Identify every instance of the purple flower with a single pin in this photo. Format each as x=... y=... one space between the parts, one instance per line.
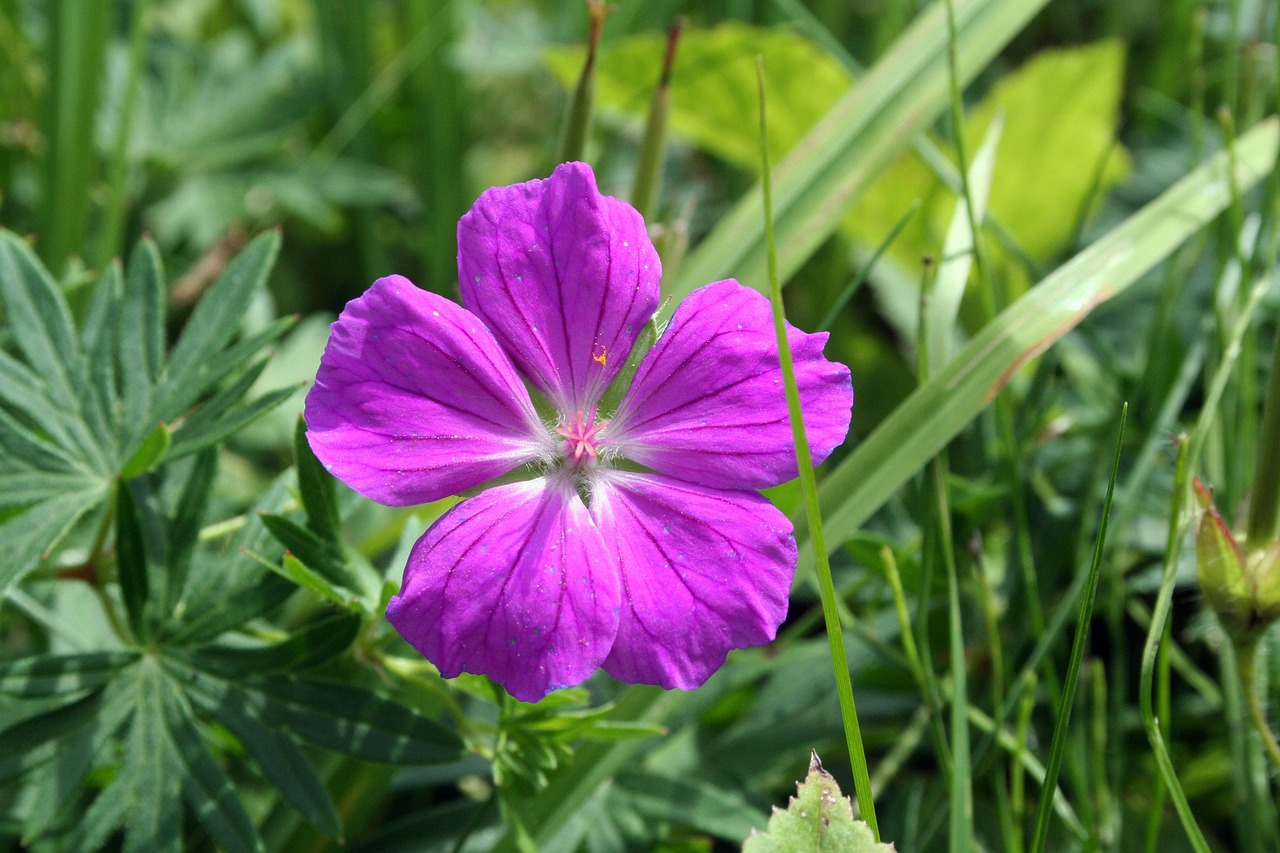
x=637 y=541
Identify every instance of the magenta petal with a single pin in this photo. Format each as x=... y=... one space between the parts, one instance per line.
x=565 y=277
x=703 y=571
x=708 y=404
x=515 y=584
x=414 y=400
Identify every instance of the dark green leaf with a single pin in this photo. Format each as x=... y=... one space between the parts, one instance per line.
x=22 y=488
x=357 y=721
x=33 y=740
x=153 y=771
x=149 y=453
x=21 y=446
x=28 y=538
x=49 y=674
x=59 y=783
x=131 y=562
x=275 y=753
x=325 y=558
x=238 y=607
x=693 y=802
x=205 y=786
x=201 y=431
x=309 y=647
x=97 y=371
x=184 y=528
x=316 y=487
x=217 y=316
x=25 y=392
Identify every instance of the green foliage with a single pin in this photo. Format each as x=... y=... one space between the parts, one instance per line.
x=818 y=818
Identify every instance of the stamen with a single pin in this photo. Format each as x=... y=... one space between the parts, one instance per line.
x=580 y=439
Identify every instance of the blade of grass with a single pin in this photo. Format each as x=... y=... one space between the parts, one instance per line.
x=809 y=488
x=1058 y=745
x=113 y=224
x=902 y=93
x=939 y=409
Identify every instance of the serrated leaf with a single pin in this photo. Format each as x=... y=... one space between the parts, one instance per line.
x=206 y=788
x=357 y=721
x=316 y=488
x=819 y=819
x=275 y=753
x=149 y=453
x=309 y=647
x=51 y=674
x=217 y=316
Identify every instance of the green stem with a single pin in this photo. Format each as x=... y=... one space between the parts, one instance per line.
x=114 y=222
x=1246 y=657
x=1264 y=504
x=809 y=487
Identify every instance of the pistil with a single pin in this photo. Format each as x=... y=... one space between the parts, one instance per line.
x=581 y=437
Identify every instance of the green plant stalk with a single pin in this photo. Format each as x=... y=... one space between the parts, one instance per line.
x=1263 y=521
x=1164 y=718
x=1246 y=665
x=858 y=280
x=1017 y=784
x=648 y=178
x=1251 y=788
x=113 y=224
x=582 y=103
x=809 y=488
x=77 y=45
x=1059 y=743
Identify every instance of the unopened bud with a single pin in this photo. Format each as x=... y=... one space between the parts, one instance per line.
x=1241 y=584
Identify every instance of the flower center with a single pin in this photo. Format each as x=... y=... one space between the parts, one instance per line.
x=581 y=437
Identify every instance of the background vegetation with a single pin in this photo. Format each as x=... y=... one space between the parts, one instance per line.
x=192 y=646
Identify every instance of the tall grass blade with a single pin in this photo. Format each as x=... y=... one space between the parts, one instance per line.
x=939 y=409
x=809 y=488
x=1059 y=743
x=902 y=93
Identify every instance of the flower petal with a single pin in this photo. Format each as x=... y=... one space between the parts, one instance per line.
x=414 y=400
x=565 y=277
x=703 y=571
x=708 y=404
x=515 y=584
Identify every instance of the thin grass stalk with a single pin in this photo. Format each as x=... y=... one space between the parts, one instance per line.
x=1017 y=782
x=938 y=544
x=809 y=488
x=865 y=272
x=113 y=223
x=1058 y=746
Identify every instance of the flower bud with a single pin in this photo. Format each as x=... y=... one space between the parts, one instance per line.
x=1242 y=585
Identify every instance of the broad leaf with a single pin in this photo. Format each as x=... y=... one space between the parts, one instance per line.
x=819 y=819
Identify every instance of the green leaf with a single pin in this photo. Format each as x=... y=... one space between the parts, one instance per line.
x=36 y=740
x=184 y=527
x=38 y=316
x=693 y=802
x=316 y=487
x=149 y=453
x=312 y=646
x=27 y=539
x=324 y=557
x=297 y=572
x=818 y=819
x=140 y=350
x=131 y=563
x=217 y=316
x=206 y=428
x=275 y=753
x=905 y=91
x=939 y=409
x=713 y=85
x=207 y=789
x=357 y=721
x=50 y=674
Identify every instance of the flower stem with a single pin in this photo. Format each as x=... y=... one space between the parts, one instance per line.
x=1246 y=657
x=809 y=487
